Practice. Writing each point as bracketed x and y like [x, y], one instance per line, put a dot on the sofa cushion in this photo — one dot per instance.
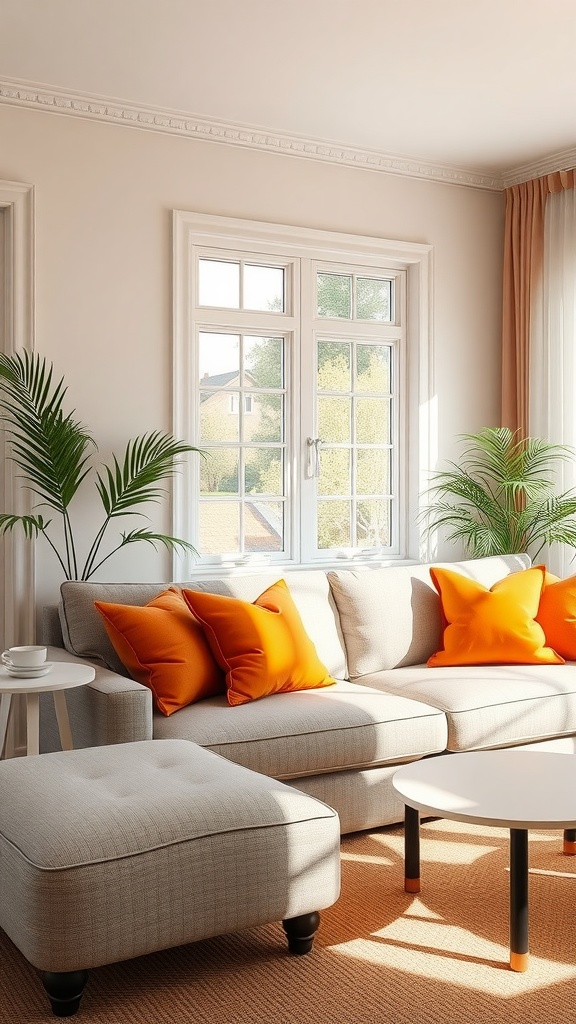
[313, 598]
[391, 617]
[491, 626]
[310, 731]
[557, 614]
[262, 645]
[491, 706]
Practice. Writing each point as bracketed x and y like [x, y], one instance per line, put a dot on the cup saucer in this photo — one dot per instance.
[30, 672]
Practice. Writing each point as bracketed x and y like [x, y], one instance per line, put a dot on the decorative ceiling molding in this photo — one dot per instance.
[97, 108]
[555, 162]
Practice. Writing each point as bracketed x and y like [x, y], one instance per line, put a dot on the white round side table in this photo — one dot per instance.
[62, 676]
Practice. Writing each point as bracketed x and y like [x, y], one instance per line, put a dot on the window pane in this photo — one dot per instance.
[219, 471]
[219, 283]
[334, 295]
[264, 526]
[372, 420]
[219, 359]
[373, 368]
[334, 363]
[373, 471]
[334, 524]
[263, 288]
[219, 527]
[264, 362]
[266, 421]
[373, 524]
[334, 471]
[218, 416]
[373, 299]
[334, 419]
[263, 471]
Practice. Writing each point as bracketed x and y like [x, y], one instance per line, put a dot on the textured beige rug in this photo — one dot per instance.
[380, 955]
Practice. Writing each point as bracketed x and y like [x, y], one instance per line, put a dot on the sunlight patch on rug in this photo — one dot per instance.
[444, 953]
[365, 858]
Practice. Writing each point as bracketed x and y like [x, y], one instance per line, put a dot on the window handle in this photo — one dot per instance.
[313, 468]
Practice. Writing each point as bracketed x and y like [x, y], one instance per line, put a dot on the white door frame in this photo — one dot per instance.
[17, 331]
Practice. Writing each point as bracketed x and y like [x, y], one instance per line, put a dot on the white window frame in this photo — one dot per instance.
[203, 234]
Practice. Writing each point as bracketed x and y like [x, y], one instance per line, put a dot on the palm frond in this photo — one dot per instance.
[32, 525]
[148, 536]
[51, 448]
[148, 459]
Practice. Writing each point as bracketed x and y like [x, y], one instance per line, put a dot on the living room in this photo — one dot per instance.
[403, 124]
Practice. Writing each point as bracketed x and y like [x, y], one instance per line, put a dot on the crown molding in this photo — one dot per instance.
[547, 165]
[97, 108]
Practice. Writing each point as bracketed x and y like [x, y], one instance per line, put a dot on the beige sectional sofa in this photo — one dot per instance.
[374, 629]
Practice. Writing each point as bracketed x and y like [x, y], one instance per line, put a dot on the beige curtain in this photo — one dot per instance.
[523, 250]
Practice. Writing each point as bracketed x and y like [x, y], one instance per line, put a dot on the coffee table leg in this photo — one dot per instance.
[518, 899]
[411, 849]
[570, 841]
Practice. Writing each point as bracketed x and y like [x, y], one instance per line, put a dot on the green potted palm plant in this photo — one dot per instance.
[500, 498]
[53, 451]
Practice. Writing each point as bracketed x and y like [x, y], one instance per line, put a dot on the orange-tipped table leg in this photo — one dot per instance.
[411, 849]
[519, 899]
[570, 841]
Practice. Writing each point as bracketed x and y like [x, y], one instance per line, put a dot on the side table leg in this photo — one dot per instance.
[570, 841]
[32, 723]
[61, 710]
[411, 849]
[519, 899]
[5, 703]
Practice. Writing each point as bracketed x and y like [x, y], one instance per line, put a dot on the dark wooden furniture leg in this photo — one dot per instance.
[519, 899]
[301, 932]
[411, 849]
[570, 841]
[64, 990]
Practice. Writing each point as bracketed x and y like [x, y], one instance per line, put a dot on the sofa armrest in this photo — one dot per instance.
[110, 709]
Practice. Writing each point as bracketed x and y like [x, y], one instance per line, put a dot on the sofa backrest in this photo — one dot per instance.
[84, 634]
[82, 626]
[391, 617]
[361, 620]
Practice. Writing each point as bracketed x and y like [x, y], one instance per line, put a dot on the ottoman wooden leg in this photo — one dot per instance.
[64, 990]
[301, 932]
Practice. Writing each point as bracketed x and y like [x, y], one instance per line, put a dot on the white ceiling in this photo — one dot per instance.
[486, 86]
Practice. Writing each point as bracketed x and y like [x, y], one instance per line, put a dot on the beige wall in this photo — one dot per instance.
[104, 197]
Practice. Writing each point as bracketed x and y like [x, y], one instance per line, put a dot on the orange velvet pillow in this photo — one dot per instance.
[164, 647]
[263, 647]
[557, 614]
[496, 626]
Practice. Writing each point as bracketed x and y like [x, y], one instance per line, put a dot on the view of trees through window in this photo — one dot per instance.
[244, 409]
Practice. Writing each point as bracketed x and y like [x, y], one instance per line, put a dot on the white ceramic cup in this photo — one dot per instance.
[31, 656]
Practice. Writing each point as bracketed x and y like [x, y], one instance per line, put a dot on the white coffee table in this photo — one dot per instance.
[514, 789]
[62, 676]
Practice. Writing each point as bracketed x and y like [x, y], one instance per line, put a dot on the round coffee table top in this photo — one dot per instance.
[62, 676]
[510, 788]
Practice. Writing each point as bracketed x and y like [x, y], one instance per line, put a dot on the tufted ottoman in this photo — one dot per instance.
[112, 852]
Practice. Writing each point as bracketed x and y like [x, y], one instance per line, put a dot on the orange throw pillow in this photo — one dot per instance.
[263, 647]
[164, 647]
[557, 614]
[496, 626]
